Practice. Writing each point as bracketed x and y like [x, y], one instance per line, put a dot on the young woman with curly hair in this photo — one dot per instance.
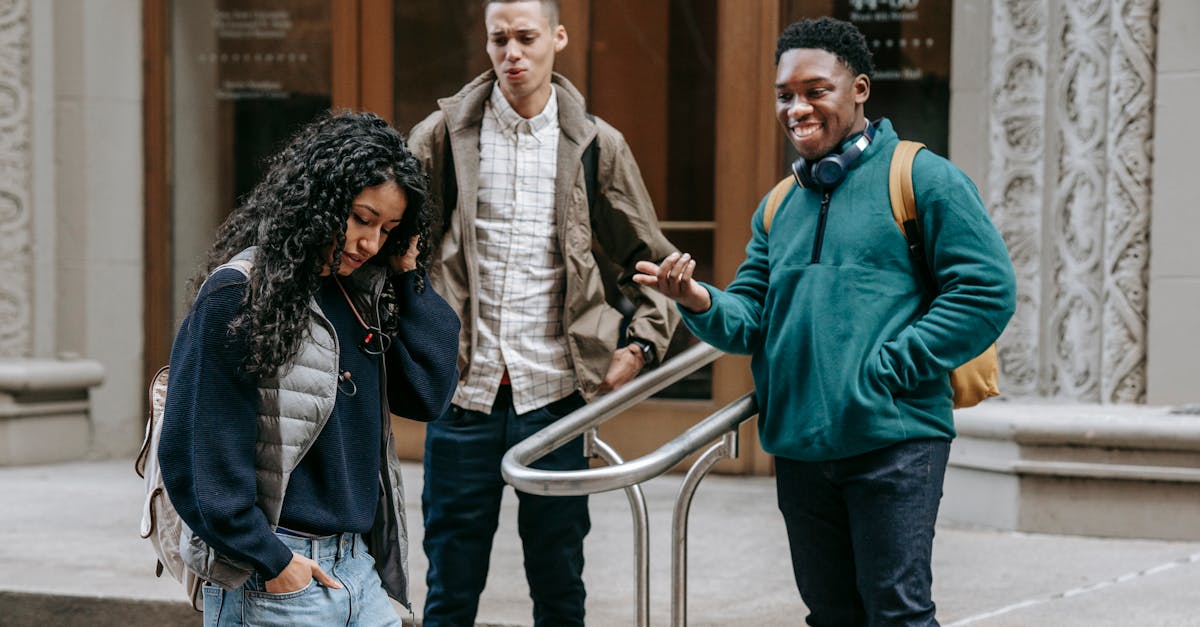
[303, 337]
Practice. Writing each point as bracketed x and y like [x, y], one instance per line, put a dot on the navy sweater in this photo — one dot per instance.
[208, 440]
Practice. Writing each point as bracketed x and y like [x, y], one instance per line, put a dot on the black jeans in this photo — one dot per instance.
[861, 533]
[461, 506]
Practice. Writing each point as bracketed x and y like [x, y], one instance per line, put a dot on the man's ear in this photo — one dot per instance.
[560, 38]
[862, 88]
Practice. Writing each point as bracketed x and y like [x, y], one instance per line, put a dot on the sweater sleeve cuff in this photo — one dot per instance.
[703, 320]
[402, 279]
[280, 557]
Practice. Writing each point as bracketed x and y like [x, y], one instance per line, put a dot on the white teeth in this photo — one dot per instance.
[804, 131]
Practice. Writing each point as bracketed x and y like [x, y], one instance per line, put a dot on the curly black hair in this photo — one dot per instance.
[297, 215]
[843, 39]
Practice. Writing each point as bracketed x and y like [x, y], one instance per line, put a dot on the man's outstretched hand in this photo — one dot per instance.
[673, 277]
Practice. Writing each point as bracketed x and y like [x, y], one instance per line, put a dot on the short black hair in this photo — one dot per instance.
[549, 8]
[843, 39]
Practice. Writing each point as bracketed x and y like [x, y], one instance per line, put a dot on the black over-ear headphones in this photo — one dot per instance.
[828, 172]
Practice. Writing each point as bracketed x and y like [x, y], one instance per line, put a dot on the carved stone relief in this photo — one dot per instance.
[1016, 183]
[1081, 49]
[15, 233]
[1080, 242]
[1127, 195]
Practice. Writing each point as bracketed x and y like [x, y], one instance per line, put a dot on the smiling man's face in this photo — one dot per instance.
[818, 100]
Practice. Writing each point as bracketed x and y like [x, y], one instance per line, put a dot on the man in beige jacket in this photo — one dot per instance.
[510, 153]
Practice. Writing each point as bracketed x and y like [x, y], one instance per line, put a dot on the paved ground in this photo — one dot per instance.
[70, 555]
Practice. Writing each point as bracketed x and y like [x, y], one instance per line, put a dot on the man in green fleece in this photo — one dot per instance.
[851, 343]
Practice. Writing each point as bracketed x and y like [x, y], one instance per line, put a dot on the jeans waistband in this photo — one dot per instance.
[335, 546]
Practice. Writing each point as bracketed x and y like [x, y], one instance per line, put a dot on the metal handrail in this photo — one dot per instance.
[515, 467]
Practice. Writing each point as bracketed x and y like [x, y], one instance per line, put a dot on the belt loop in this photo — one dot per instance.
[314, 549]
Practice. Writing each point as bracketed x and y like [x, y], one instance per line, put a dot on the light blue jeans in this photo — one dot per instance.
[362, 600]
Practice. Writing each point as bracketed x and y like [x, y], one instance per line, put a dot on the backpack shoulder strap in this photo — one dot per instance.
[591, 166]
[449, 178]
[900, 190]
[241, 264]
[774, 199]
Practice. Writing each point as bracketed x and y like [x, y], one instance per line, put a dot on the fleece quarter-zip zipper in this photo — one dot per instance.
[819, 238]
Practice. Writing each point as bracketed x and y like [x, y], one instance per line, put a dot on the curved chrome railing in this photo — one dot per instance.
[628, 475]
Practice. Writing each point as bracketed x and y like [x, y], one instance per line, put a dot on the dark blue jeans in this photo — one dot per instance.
[861, 533]
[461, 505]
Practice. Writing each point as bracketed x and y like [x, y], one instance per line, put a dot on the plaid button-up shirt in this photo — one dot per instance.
[521, 270]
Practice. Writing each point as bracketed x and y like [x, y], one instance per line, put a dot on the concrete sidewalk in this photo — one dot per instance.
[70, 555]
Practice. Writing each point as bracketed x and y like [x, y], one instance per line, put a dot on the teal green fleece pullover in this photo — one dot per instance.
[851, 350]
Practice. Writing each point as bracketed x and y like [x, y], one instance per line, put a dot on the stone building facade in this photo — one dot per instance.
[1069, 115]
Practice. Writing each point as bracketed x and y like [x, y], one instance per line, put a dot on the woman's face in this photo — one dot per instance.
[375, 212]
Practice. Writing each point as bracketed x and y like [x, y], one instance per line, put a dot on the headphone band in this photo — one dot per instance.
[829, 171]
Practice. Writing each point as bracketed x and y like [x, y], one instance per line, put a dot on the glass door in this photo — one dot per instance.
[226, 82]
[244, 75]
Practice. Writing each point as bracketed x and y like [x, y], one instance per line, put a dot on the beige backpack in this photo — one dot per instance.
[161, 524]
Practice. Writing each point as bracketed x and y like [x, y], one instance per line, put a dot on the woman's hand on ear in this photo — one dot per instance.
[408, 261]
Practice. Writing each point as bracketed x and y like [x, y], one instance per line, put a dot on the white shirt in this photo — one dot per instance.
[521, 269]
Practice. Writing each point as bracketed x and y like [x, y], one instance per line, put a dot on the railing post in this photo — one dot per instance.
[517, 470]
[593, 446]
[727, 447]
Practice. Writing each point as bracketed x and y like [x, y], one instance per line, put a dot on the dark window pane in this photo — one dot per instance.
[438, 47]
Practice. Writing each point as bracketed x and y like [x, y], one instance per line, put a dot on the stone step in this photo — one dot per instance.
[1095, 470]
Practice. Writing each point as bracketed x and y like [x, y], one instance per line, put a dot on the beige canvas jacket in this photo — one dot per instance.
[623, 225]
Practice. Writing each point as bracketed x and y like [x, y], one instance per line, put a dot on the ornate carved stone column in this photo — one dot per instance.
[1076, 209]
[1017, 180]
[1127, 196]
[1071, 154]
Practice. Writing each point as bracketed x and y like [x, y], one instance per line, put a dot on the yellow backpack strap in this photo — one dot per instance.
[900, 189]
[774, 199]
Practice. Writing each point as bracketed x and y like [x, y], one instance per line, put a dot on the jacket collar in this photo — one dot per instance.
[464, 110]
